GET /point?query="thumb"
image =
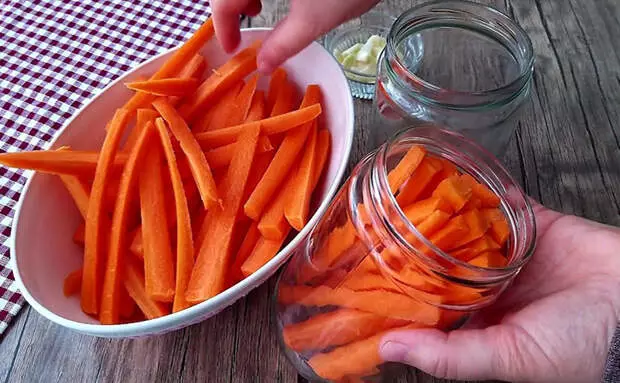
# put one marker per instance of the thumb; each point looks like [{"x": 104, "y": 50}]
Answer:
[{"x": 460, "y": 354}]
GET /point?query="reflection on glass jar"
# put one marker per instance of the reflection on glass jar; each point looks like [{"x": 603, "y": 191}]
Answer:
[
  {"x": 456, "y": 64},
  {"x": 428, "y": 229}
]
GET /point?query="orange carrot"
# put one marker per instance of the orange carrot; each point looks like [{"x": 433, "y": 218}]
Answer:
[
  {"x": 273, "y": 225},
  {"x": 363, "y": 281},
  {"x": 284, "y": 100},
  {"x": 478, "y": 226},
  {"x": 127, "y": 304},
  {"x": 487, "y": 197},
  {"x": 405, "y": 168},
  {"x": 72, "y": 283},
  {"x": 257, "y": 109},
  {"x": 235, "y": 69},
  {"x": 70, "y": 162},
  {"x": 78, "y": 235},
  {"x": 95, "y": 238},
  {"x": 193, "y": 69},
  {"x": 157, "y": 250},
  {"x": 283, "y": 161},
  {"x": 431, "y": 224},
  {"x": 447, "y": 170},
  {"x": 185, "y": 245},
  {"x": 221, "y": 157},
  {"x": 269, "y": 126},
  {"x": 323, "y": 146},
  {"x": 263, "y": 252},
  {"x": 476, "y": 247},
  {"x": 452, "y": 232},
  {"x": 110, "y": 301},
  {"x": 278, "y": 78},
  {"x": 489, "y": 259},
  {"x": 173, "y": 87},
  {"x": 247, "y": 246},
  {"x": 418, "y": 182},
  {"x": 335, "y": 328},
  {"x": 134, "y": 283},
  {"x": 420, "y": 210},
  {"x": 243, "y": 102},
  {"x": 297, "y": 213},
  {"x": 142, "y": 117},
  {"x": 500, "y": 230},
  {"x": 173, "y": 65},
  {"x": 453, "y": 190},
  {"x": 216, "y": 117},
  {"x": 210, "y": 272},
  {"x": 196, "y": 158},
  {"x": 78, "y": 191}
]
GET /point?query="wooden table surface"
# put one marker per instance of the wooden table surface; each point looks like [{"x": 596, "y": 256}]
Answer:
[{"x": 566, "y": 153}]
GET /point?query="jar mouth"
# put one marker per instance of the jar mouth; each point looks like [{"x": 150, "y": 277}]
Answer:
[
  {"x": 466, "y": 16},
  {"x": 480, "y": 163}
]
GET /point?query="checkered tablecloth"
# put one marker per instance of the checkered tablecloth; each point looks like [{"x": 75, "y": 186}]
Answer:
[{"x": 54, "y": 55}]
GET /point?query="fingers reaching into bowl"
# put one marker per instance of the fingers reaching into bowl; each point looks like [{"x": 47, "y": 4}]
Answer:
[{"x": 305, "y": 22}]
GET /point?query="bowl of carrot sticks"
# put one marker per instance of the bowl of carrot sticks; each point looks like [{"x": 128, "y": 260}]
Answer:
[{"x": 180, "y": 187}]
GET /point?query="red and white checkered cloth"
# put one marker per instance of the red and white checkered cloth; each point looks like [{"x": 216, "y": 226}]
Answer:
[{"x": 54, "y": 55}]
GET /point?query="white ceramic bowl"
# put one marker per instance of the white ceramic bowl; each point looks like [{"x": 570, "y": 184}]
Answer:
[{"x": 41, "y": 244}]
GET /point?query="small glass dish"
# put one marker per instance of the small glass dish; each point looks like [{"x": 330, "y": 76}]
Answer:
[{"x": 358, "y": 31}]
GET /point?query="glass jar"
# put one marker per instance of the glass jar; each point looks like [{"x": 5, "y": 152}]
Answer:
[
  {"x": 366, "y": 268},
  {"x": 457, "y": 64}
]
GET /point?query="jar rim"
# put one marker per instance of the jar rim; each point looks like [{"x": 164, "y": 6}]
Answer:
[{"x": 459, "y": 10}]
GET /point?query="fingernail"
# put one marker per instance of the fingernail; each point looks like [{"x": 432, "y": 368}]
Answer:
[{"x": 393, "y": 351}]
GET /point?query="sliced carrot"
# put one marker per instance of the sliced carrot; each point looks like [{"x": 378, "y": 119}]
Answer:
[
  {"x": 110, "y": 301},
  {"x": 285, "y": 99},
  {"x": 451, "y": 233},
  {"x": 127, "y": 304},
  {"x": 297, "y": 213},
  {"x": 95, "y": 237},
  {"x": 243, "y": 102},
  {"x": 235, "y": 69},
  {"x": 355, "y": 358},
  {"x": 433, "y": 223},
  {"x": 269, "y": 126},
  {"x": 263, "y": 252},
  {"x": 453, "y": 190},
  {"x": 134, "y": 284},
  {"x": 335, "y": 328},
  {"x": 196, "y": 158},
  {"x": 185, "y": 244},
  {"x": 72, "y": 283},
  {"x": 476, "y": 247},
  {"x": 257, "y": 109},
  {"x": 273, "y": 224},
  {"x": 247, "y": 246},
  {"x": 500, "y": 230},
  {"x": 193, "y": 69},
  {"x": 142, "y": 117},
  {"x": 221, "y": 157},
  {"x": 171, "y": 87},
  {"x": 363, "y": 281},
  {"x": 70, "y": 162},
  {"x": 216, "y": 117},
  {"x": 323, "y": 146},
  {"x": 447, "y": 170},
  {"x": 418, "y": 182},
  {"x": 283, "y": 160},
  {"x": 278, "y": 78},
  {"x": 78, "y": 235},
  {"x": 478, "y": 226},
  {"x": 78, "y": 191},
  {"x": 175, "y": 64},
  {"x": 406, "y": 166},
  {"x": 156, "y": 247},
  {"x": 420, "y": 210},
  {"x": 210, "y": 272},
  {"x": 489, "y": 259},
  {"x": 484, "y": 194}
]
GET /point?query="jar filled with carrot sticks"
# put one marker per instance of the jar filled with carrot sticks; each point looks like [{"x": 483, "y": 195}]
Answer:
[{"x": 429, "y": 229}]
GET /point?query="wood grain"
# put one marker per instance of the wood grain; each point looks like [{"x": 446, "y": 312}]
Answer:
[{"x": 565, "y": 153}]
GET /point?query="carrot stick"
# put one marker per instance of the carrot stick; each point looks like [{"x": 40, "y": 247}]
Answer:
[
  {"x": 127, "y": 304},
  {"x": 173, "y": 65},
  {"x": 500, "y": 230},
  {"x": 172, "y": 87},
  {"x": 364, "y": 281},
  {"x": 210, "y": 272},
  {"x": 489, "y": 259},
  {"x": 235, "y": 69},
  {"x": 418, "y": 182},
  {"x": 451, "y": 233},
  {"x": 478, "y": 226},
  {"x": 269, "y": 126},
  {"x": 221, "y": 157},
  {"x": 273, "y": 224},
  {"x": 405, "y": 168},
  {"x": 336, "y": 328},
  {"x": 72, "y": 283},
  {"x": 284, "y": 100},
  {"x": 134, "y": 283},
  {"x": 193, "y": 69},
  {"x": 263, "y": 252},
  {"x": 142, "y": 117},
  {"x": 196, "y": 158},
  {"x": 420, "y": 210},
  {"x": 247, "y": 246},
  {"x": 95, "y": 238},
  {"x": 78, "y": 191},
  {"x": 71, "y": 162},
  {"x": 78, "y": 234},
  {"x": 475, "y": 248},
  {"x": 323, "y": 145},
  {"x": 297, "y": 213},
  {"x": 453, "y": 190},
  {"x": 243, "y": 102},
  {"x": 185, "y": 245},
  {"x": 257, "y": 109},
  {"x": 157, "y": 250},
  {"x": 284, "y": 159},
  {"x": 110, "y": 301},
  {"x": 217, "y": 116},
  {"x": 352, "y": 359},
  {"x": 278, "y": 78}
]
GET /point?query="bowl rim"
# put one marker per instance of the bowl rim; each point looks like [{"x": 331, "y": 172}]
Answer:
[{"x": 214, "y": 305}]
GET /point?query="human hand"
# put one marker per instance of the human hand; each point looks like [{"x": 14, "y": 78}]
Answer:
[
  {"x": 554, "y": 324},
  {"x": 306, "y": 21}
]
